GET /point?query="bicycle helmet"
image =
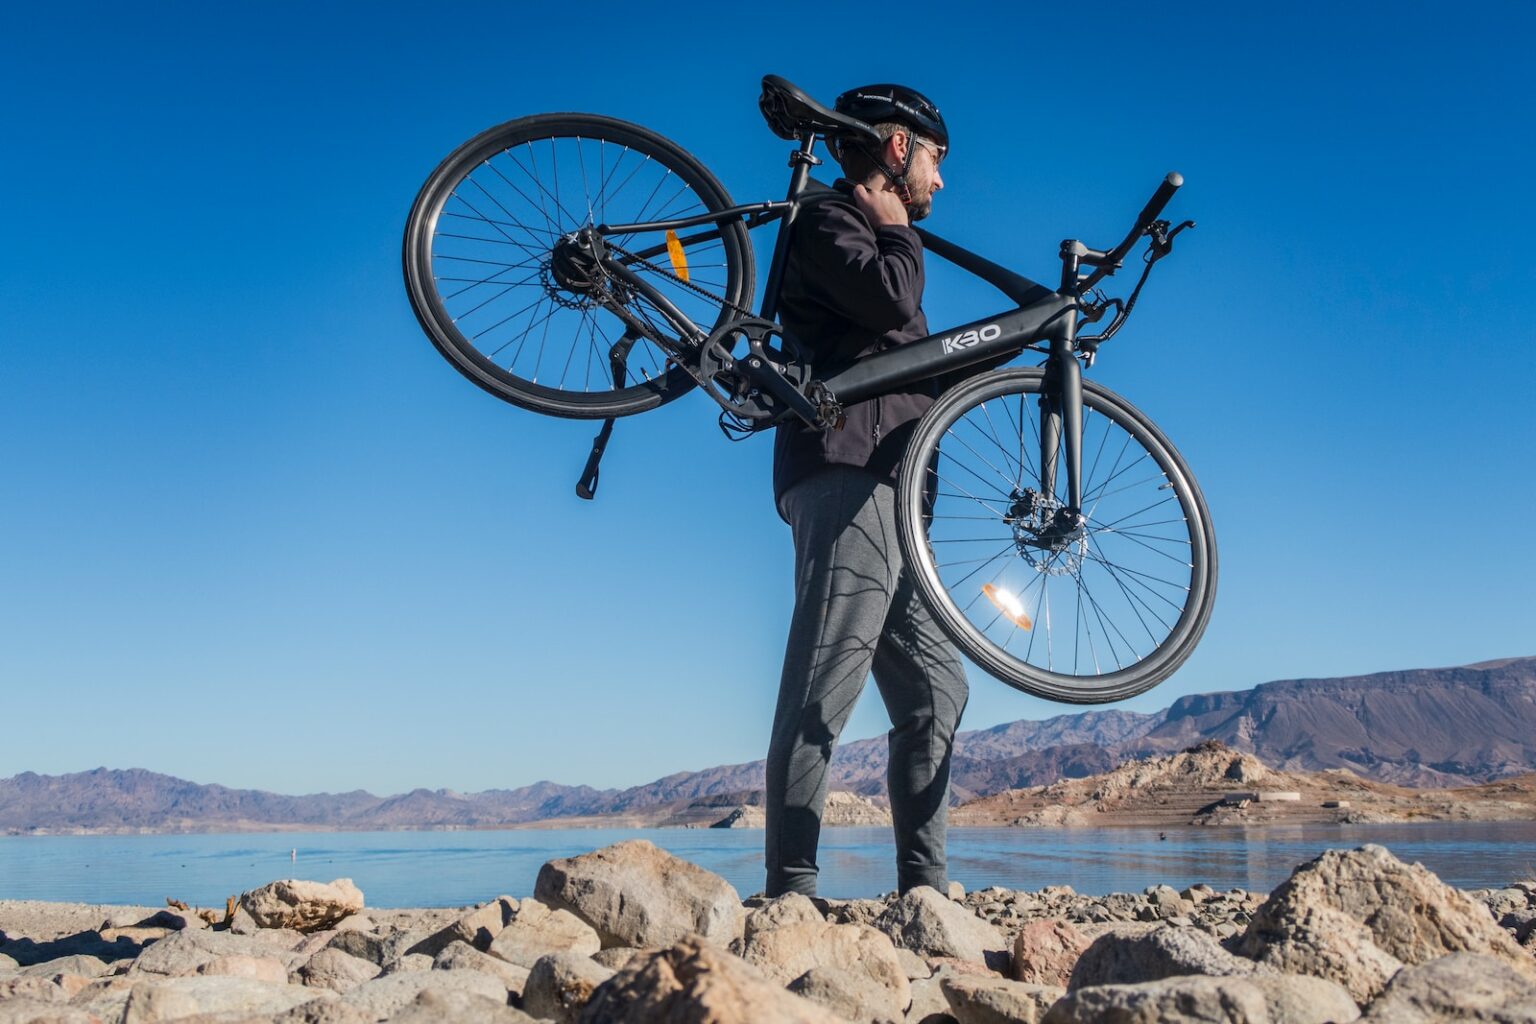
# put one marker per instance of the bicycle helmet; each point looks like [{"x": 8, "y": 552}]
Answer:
[{"x": 885, "y": 102}]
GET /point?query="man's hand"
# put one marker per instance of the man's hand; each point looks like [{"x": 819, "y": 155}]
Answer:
[{"x": 883, "y": 208}]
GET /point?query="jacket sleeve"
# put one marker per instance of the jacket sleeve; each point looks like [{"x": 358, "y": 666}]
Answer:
[{"x": 872, "y": 277}]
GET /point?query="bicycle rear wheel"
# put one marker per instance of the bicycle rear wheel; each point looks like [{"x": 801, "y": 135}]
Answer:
[
  {"x": 1098, "y": 619},
  {"x": 477, "y": 261}
]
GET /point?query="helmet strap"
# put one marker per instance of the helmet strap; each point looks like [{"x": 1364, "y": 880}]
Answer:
[{"x": 898, "y": 179}]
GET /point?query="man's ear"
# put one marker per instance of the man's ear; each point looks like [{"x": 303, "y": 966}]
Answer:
[{"x": 894, "y": 151}]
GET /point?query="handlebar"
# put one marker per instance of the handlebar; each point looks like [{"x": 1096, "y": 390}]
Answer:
[{"x": 1108, "y": 262}]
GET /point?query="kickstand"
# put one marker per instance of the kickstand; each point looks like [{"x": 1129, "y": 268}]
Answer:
[{"x": 618, "y": 357}]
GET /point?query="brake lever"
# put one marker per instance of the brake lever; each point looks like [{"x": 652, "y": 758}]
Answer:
[{"x": 1162, "y": 238}]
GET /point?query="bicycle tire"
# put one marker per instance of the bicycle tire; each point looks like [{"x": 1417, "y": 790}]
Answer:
[
  {"x": 496, "y": 202},
  {"x": 1148, "y": 614}
]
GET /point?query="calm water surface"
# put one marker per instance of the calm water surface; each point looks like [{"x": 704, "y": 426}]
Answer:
[{"x": 420, "y": 869}]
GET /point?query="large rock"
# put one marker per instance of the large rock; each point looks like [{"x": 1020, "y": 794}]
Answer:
[
  {"x": 634, "y": 894},
  {"x": 78, "y": 964},
  {"x": 791, "y": 908},
  {"x": 1045, "y": 951},
  {"x": 693, "y": 982},
  {"x": 784, "y": 942},
  {"x": 1300, "y": 999},
  {"x": 381, "y": 947},
  {"x": 1191, "y": 999},
  {"x": 387, "y": 995},
  {"x": 182, "y": 953},
  {"x": 1355, "y": 915},
  {"x": 478, "y": 927},
  {"x": 302, "y": 906},
  {"x": 461, "y": 956},
  {"x": 32, "y": 1011},
  {"x": 929, "y": 1003},
  {"x": 975, "y": 1000},
  {"x": 535, "y": 930},
  {"x": 926, "y": 922},
  {"x": 437, "y": 1006},
  {"x": 239, "y": 965},
  {"x": 21, "y": 986},
  {"x": 1459, "y": 987},
  {"x": 336, "y": 971},
  {"x": 164, "y": 999},
  {"x": 1164, "y": 952},
  {"x": 560, "y": 985},
  {"x": 852, "y": 995}
]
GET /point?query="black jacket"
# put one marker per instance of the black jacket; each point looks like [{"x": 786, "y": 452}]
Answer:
[{"x": 849, "y": 290}]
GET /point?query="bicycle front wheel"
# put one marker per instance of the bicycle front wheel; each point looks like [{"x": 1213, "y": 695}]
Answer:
[
  {"x": 1099, "y": 617},
  {"x": 478, "y": 262}
]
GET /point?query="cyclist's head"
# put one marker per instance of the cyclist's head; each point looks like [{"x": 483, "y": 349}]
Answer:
[{"x": 905, "y": 121}]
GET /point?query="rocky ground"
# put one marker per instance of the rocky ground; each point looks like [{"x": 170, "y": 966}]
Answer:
[{"x": 630, "y": 933}]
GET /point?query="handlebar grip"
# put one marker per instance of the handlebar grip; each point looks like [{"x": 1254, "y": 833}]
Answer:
[{"x": 1160, "y": 198}]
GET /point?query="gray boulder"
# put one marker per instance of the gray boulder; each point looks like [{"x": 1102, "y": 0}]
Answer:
[
  {"x": 1193, "y": 999},
  {"x": 1164, "y": 952},
  {"x": 380, "y": 947},
  {"x": 182, "y": 953},
  {"x": 1460, "y": 987},
  {"x": 796, "y": 945},
  {"x": 535, "y": 930},
  {"x": 461, "y": 956},
  {"x": 852, "y": 995},
  {"x": 561, "y": 984},
  {"x": 435, "y": 1006},
  {"x": 387, "y": 995},
  {"x": 302, "y": 906},
  {"x": 929, "y": 923},
  {"x": 791, "y": 908},
  {"x": 976, "y": 1000},
  {"x": 634, "y": 894},
  {"x": 77, "y": 964},
  {"x": 335, "y": 971},
  {"x": 32, "y": 1011},
  {"x": 164, "y": 999},
  {"x": 478, "y": 927},
  {"x": 1300, "y": 999},
  {"x": 692, "y": 982}
]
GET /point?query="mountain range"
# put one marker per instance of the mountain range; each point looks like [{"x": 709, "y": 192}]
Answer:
[{"x": 1421, "y": 727}]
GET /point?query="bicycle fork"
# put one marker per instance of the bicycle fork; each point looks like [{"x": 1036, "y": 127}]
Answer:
[{"x": 1061, "y": 419}]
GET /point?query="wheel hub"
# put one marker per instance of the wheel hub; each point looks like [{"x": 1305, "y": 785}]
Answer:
[{"x": 1051, "y": 537}]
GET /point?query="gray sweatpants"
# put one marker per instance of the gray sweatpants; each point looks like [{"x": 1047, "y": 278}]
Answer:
[{"x": 856, "y": 609}]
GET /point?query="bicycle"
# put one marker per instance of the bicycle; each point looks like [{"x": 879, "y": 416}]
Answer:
[{"x": 1017, "y": 486}]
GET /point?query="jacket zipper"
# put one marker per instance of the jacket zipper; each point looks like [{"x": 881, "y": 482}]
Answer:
[{"x": 877, "y": 420}]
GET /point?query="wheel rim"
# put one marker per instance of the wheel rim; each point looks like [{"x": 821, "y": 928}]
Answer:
[
  {"x": 483, "y": 252},
  {"x": 1109, "y": 614}
]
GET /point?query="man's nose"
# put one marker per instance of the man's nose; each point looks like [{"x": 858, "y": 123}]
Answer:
[{"x": 938, "y": 180}]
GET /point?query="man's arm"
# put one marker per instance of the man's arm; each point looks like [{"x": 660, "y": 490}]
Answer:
[{"x": 873, "y": 275}]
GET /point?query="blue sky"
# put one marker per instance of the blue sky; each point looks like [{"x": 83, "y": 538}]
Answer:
[{"x": 254, "y": 530}]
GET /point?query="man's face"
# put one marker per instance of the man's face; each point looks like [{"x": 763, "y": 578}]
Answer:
[{"x": 924, "y": 178}]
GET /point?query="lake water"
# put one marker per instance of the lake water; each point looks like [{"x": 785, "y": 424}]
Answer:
[{"x": 423, "y": 869}]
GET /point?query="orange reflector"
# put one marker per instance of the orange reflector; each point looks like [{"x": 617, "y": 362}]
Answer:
[
  {"x": 1011, "y": 607},
  {"x": 676, "y": 255}
]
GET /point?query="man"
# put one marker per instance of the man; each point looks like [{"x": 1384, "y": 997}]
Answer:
[{"x": 853, "y": 285}]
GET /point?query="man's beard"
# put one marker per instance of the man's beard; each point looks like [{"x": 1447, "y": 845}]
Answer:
[{"x": 920, "y": 207}]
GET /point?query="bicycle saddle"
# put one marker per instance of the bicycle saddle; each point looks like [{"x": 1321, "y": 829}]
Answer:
[{"x": 789, "y": 112}]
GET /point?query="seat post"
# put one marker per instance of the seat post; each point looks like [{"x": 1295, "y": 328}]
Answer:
[{"x": 801, "y": 160}]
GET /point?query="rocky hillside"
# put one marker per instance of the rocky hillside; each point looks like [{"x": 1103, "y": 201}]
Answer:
[{"x": 1425, "y": 727}]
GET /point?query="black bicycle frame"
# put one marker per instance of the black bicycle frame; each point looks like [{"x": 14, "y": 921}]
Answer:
[{"x": 1044, "y": 319}]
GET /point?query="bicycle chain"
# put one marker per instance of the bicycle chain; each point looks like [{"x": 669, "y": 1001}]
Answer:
[{"x": 647, "y": 264}]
